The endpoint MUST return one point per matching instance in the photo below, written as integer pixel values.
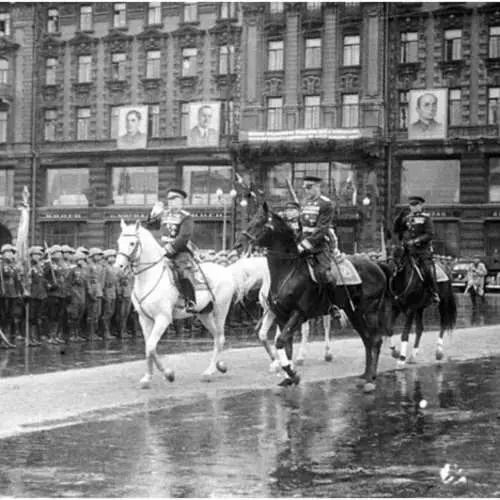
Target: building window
(4, 122)
(403, 109)
(67, 186)
(119, 15)
(493, 105)
(227, 117)
(114, 120)
(135, 185)
(227, 10)
(274, 113)
(50, 71)
(84, 69)
(454, 107)
(6, 187)
(154, 120)
(190, 12)
(275, 55)
(312, 109)
(452, 45)
(437, 181)
(53, 21)
(67, 232)
(4, 71)
(226, 55)
(276, 7)
(49, 125)
(184, 119)
(83, 124)
(351, 50)
(153, 64)
(154, 13)
(494, 180)
(494, 52)
(189, 62)
(86, 18)
(313, 53)
(350, 110)
(4, 24)
(118, 66)
(313, 6)
(202, 183)
(409, 47)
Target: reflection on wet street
(53, 358)
(320, 439)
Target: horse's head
(129, 245)
(266, 229)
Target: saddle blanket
(343, 271)
(441, 276)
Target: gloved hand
(169, 250)
(301, 248)
(157, 209)
(411, 243)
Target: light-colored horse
(253, 272)
(158, 301)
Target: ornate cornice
(51, 46)
(452, 16)
(151, 38)
(189, 36)
(117, 41)
(224, 34)
(7, 46)
(83, 44)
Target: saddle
(341, 268)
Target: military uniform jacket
(77, 283)
(417, 227)
(55, 280)
(12, 280)
(110, 282)
(316, 218)
(176, 228)
(38, 283)
(96, 277)
(125, 285)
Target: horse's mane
(283, 229)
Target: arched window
(4, 71)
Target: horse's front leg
(404, 338)
(160, 325)
(327, 325)
(284, 348)
(265, 325)
(419, 329)
(304, 331)
(395, 312)
(146, 327)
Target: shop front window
(494, 180)
(6, 187)
(343, 184)
(135, 185)
(202, 182)
(437, 181)
(63, 233)
(67, 187)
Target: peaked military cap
(109, 253)
(311, 178)
(292, 204)
(178, 192)
(84, 250)
(413, 200)
(7, 247)
(95, 251)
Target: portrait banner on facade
(204, 122)
(132, 127)
(428, 114)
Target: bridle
(134, 256)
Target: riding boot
(434, 285)
(333, 298)
(189, 295)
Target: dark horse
(410, 296)
(294, 297)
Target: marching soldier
(110, 292)
(77, 285)
(416, 231)
(54, 273)
(96, 274)
(11, 293)
(177, 228)
(37, 295)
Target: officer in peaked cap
(415, 230)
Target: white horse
(158, 301)
(252, 272)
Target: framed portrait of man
(428, 114)
(132, 127)
(277, 181)
(204, 122)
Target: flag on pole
(383, 248)
(22, 250)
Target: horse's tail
(447, 307)
(244, 282)
(387, 300)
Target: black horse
(409, 295)
(294, 297)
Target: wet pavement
(48, 358)
(320, 439)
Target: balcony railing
(462, 132)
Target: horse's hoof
(145, 382)
(206, 377)
(221, 366)
(439, 353)
(369, 387)
(275, 367)
(299, 361)
(169, 375)
(360, 383)
(328, 357)
(400, 365)
(395, 353)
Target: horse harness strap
(140, 301)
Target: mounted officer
(177, 226)
(316, 219)
(415, 229)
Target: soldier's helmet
(95, 251)
(36, 250)
(109, 253)
(79, 256)
(84, 250)
(54, 249)
(67, 249)
(7, 247)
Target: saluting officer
(416, 231)
(177, 228)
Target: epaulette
(325, 198)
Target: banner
(204, 122)
(428, 114)
(132, 127)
